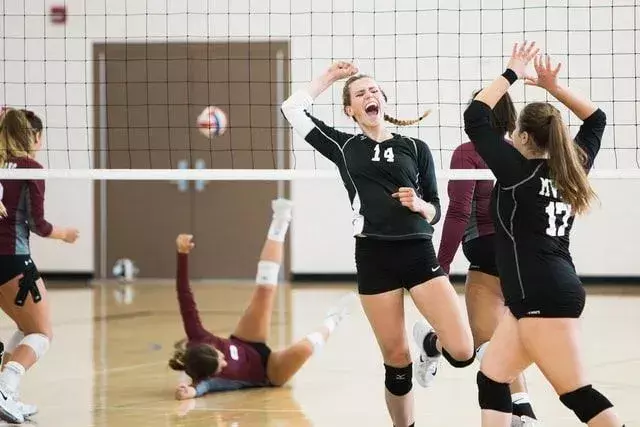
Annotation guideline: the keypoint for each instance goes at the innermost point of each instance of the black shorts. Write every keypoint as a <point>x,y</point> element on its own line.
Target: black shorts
<point>481,254</point>
<point>12,266</point>
<point>386,265</point>
<point>568,306</point>
<point>557,293</point>
<point>263,349</point>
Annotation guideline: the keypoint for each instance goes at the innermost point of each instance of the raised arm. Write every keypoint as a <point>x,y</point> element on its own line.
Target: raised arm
<point>188,309</point>
<point>506,163</point>
<point>327,140</point>
<point>594,120</point>
<point>459,210</point>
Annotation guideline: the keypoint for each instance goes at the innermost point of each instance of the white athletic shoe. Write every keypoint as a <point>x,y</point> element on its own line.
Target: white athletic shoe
<point>282,208</point>
<point>425,367</point>
<point>10,410</point>
<point>524,421</point>
<point>342,308</point>
<point>27,409</point>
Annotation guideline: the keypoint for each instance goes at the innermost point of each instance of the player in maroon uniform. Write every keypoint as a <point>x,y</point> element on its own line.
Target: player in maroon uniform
<point>468,221</point>
<point>244,360</point>
<point>23,296</point>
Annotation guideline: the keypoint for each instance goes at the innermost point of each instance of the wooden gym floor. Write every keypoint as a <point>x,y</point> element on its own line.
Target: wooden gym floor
<point>107,364</point>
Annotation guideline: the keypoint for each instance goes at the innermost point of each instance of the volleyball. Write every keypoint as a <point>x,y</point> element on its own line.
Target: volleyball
<point>125,270</point>
<point>212,122</point>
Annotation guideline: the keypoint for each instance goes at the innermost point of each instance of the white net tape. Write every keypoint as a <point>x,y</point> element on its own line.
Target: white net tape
<point>249,174</point>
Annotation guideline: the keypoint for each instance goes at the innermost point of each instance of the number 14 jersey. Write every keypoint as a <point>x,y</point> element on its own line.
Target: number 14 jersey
<point>371,172</point>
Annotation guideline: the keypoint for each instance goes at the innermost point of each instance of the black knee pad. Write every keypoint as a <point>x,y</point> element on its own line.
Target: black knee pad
<point>457,363</point>
<point>493,395</point>
<point>398,380</point>
<point>586,402</point>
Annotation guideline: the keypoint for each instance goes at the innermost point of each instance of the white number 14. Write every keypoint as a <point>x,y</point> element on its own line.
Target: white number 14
<point>553,210</point>
<point>388,154</point>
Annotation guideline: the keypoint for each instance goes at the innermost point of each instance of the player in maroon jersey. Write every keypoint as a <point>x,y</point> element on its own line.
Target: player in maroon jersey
<point>243,360</point>
<point>23,296</point>
<point>469,221</point>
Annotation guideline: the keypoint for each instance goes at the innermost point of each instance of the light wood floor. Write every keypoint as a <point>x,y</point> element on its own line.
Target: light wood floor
<point>107,364</point>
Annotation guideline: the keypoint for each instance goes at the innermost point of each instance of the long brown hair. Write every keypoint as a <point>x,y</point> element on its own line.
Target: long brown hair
<point>16,140</point>
<point>567,161</point>
<point>503,115</point>
<point>346,101</point>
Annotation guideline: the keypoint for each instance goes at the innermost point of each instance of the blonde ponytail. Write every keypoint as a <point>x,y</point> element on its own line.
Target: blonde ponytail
<point>15,140</point>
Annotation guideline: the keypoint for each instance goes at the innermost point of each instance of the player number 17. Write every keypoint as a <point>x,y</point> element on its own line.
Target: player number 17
<point>553,210</point>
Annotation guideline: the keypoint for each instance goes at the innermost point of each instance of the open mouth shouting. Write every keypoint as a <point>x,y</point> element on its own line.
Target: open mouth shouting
<point>372,109</point>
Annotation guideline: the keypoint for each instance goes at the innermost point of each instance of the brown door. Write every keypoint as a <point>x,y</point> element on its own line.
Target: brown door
<point>153,95</point>
<point>231,218</point>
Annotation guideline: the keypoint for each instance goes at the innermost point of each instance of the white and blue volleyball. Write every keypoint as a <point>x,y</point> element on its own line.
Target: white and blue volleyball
<point>212,122</point>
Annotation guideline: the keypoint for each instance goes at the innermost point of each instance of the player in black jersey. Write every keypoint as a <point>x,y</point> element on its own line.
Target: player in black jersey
<point>390,180</point>
<point>541,184</point>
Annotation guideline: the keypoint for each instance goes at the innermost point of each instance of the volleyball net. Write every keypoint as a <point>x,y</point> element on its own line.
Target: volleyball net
<point>121,85</point>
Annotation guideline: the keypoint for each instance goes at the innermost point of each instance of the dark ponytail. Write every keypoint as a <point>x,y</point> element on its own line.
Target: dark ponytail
<point>177,360</point>
<point>199,361</point>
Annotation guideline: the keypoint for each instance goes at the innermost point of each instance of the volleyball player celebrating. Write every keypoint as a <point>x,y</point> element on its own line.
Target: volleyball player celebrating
<point>541,185</point>
<point>23,296</point>
<point>390,180</point>
<point>468,220</point>
<point>244,360</point>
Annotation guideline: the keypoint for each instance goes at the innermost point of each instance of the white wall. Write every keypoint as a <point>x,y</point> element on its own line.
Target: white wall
<point>602,242</point>
<point>424,59</point>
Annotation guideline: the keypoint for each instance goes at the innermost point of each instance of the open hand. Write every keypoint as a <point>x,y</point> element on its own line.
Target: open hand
<point>547,77</point>
<point>521,56</point>
<point>185,391</point>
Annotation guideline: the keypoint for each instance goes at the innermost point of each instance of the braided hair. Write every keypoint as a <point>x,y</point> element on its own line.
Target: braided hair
<point>346,101</point>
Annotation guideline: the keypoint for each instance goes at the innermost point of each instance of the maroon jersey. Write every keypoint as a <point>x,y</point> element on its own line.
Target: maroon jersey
<point>24,201</point>
<point>468,216</point>
<point>244,363</point>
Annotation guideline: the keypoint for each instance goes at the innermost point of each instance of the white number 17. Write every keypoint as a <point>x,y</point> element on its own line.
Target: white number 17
<point>553,210</point>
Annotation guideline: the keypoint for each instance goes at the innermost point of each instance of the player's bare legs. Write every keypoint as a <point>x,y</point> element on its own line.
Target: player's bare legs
<point>284,364</point>
<point>34,327</point>
<point>449,333</point>
<point>485,308</point>
<point>385,312</point>
<point>554,345</point>
<point>255,323</point>
<point>504,359</point>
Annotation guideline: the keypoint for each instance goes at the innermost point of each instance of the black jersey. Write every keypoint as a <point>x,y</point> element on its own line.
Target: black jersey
<point>372,172</point>
<point>533,223</point>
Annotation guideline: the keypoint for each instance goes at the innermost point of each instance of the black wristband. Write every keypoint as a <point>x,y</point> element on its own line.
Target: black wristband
<point>510,75</point>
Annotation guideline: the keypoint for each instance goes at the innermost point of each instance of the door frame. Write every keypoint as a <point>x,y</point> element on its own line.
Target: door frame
<point>283,141</point>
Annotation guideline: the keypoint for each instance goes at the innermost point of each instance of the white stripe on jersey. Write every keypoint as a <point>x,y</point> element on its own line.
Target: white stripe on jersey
<point>294,109</point>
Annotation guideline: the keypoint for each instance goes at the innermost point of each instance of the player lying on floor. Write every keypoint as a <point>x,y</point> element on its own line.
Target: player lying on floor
<point>244,360</point>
